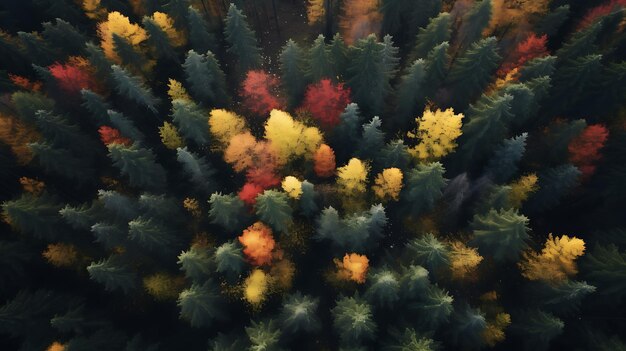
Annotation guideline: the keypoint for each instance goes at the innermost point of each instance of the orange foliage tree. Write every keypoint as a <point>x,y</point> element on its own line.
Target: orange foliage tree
<point>360,18</point>
<point>324,159</point>
<point>584,150</point>
<point>326,101</point>
<point>530,48</point>
<point>73,76</point>
<point>353,267</point>
<point>260,92</point>
<point>110,135</point>
<point>18,135</point>
<point>258,244</point>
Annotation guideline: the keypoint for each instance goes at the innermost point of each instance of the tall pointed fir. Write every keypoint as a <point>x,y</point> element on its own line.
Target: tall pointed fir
<point>554,183</point>
<point>273,208</point>
<point>345,136</point>
<point>158,39</point>
<point>474,23</point>
<point>114,274</point>
<point>410,96</point>
<point>35,215</point>
<point>227,211</point>
<point>132,88</point>
<point>503,164</point>
<point>369,80</point>
<point>438,30</point>
<point>191,121</point>
<point>125,125</point>
<point>436,68</point>
<point>319,61</point>
<point>373,140</point>
<point>130,58</point>
<point>423,187</point>
<point>292,71</point>
<point>241,40</point>
<point>501,234</point>
<point>139,165</point>
<point>201,305</point>
<point>339,57</point>
<point>200,38</point>
<point>205,78</point>
<point>197,169</point>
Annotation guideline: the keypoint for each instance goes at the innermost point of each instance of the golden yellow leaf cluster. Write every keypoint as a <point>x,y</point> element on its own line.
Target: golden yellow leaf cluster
<point>120,25</point>
<point>388,184</point>
<point>291,139</point>
<point>224,125</point>
<point>556,262</point>
<point>463,260</point>
<point>292,186</point>
<point>170,136</point>
<point>352,177</point>
<point>522,188</point>
<point>176,91</point>
<point>437,132</point>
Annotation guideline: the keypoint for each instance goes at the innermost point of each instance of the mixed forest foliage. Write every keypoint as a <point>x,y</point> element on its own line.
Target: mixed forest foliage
<point>312,175</point>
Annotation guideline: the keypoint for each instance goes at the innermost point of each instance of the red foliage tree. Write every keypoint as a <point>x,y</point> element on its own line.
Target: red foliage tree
<point>249,192</point>
<point>599,11</point>
<point>324,159</point>
<point>110,135</point>
<point>326,101</point>
<point>532,47</point>
<point>260,92</point>
<point>584,150</point>
<point>73,76</point>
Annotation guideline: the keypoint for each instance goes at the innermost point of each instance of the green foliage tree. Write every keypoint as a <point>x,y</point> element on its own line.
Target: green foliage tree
<point>35,215</point>
<point>191,121</point>
<point>411,93</point>
<point>357,232</point>
<point>436,67</point>
<point>273,208</point>
<point>64,36</point>
<point>435,307</point>
<point>308,203</point>
<point>423,187</point>
<point>229,260</point>
<point>345,136</point>
<point>552,22</point>
<point>538,328</point>
<point>429,252</point>
<point>438,31</point>
<point>339,56</point>
<point>109,235</point>
<point>132,88</point>
<point>201,39</point>
<point>319,63</point>
<point>158,39</point>
<point>205,78</point>
<point>298,314</point>
<point>196,263</point>
<point>28,103</point>
<point>264,335</point>
<point>537,67</point>
<point>61,162</point>
<point>97,106</point>
<point>369,80</point>
<point>139,165</point>
<point>153,235</point>
<point>197,168</point>
<point>500,233</point>
<point>353,320</point>
<point>372,140</point>
<point>241,40</point>
<point>114,274</point>
<point>604,267</point>
<point>383,287</point>
<point>201,305</point>
<point>125,125</point>
<point>130,57</point>
<point>468,327</point>
<point>554,183</point>
<point>292,70</point>
<point>474,23</point>
<point>228,211</point>
<point>503,165</point>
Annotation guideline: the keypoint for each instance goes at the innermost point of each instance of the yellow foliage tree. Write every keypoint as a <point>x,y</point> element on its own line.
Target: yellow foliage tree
<point>61,255</point>
<point>240,151</point>
<point>282,273</point>
<point>176,91</point>
<point>224,125</point>
<point>255,287</point>
<point>352,177</point>
<point>18,135</point>
<point>518,13</point>
<point>56,346</point>
<point>291,139</point>
<point>170,136</point>
<point>556,261</point>
<point>437,132</point>
<point>163,286</point>
<point>463,260</point>
<point>315,11</point>
<point>388,184</point>
<point>522,188</point>
<point>167,25</point>
<point>292,186</point>
<point>494,331</point>
<point>192,206</point>
<point>93,9</point>
<point>119,24</point>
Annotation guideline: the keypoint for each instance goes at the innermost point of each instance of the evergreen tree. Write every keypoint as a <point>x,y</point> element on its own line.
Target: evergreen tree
<point>227,211</point>
<point>199,171</point>
<point>373,140</point>
<point>36,49</point>
<point>125,125</point>
<point>582,43</point>
<point>200,305</point>
<point>436,67</point>
<point>353,320</point>
<point>298,314</point>
<point>604,267</point>
<point>201,39</point>
<point>114,274</point>
<point>503,165</point>
<point>130,57</point>
<point>411,340</point>
<point>133,89</point>
<point>468,327</point>
<point>369,80</point>
<point>139,165</point>
<point>414,282</point>
<point>28,310</point>
<point>390,57</point>
<point>59,132</point>
<point>273,208</point>
<point>474,23</point>
<point>159,40</point>
<point>554,183</point>
<point>35,215</point>
<point>205,78</point>
<point>27,104</point>
<point>177,10</point>
<point>96,105</point>
<point>320,61</point>
<point>109,235</point>
<point>435,307</point>
<point>308,204</point>
<point>537,67</point>
<point>411,94</point>
<point>61,162</point>
<point>423,186</point>
<point>394,154</point>
<point>292,71</point>
<point>538,329</point>
<point>552,22</point>
<point>121,208</point>
<point>429,252</point>
<point>383,288</point>
<point>339,57</point>
<point>421,12</point>
<point>575,79</point>
<point>64,36</point>
<point>264,336</point>
<point>196,263</point>
<point>241,40</point>
<point>345,135</point>
<point>438,31</point>
<point>524,104</point>
<point>100,63</point>
<point>229,260</point>
<point>152,235</point>
<point>191,121</point>
<point>565,297</point>
<point>501,234</point>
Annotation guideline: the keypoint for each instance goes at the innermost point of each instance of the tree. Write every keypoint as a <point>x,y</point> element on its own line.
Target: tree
<point>423,186</point>
<point>324,159</point>
<point>62,34</point>
<point>552,21</point>
<point>411,340</point>
<point>503,165</point>
<point>369,81</point>
<point>224,125</point>
<point>200,305</point>
<point>388,184</point>
<point>260,92</point>
<point>463,260</point>
<point>241,40</point>
<point>536,68</point>
<point>530,48</point>
<point>96,105</point>
<point>298,313</point>
<point>383,287</point>
<point>292,71</point>
<point>565,297</point>
<point>473,70</point>
<point>604,267</point>
<point>205,78</point>
<point>435,307</point>
<point>133,89</point>
<point>394,155</point>
<point>500,233</point>
<point>200,38</point>
<point>264,335</point>
<point>73,76</point>
<point>258,244</point>
<point>353,320</point>
<point>197,168</point>
<point>468,327</point>
<point>28,103</point>
<point>227,211</point>
<point>584,150</point>
<point>574,79</point>
<point>538,328</point>
<point>118,24</point>
<point>34,215</point>
<point>474,23</point>
<point>114,274</point>
<point>326,101</point>
<point>339,56</point>
<point>352,177</point>
<point>554,183</point>
<point>62,162</point>
<point>319,64</point>
<point>158,38</point>
<point>436,67</point>
<point>191,121</point>
<point>292,186</point>
<point>411,93</point>
<point>438,31</point>
<point>345,136</point>
<point>359,231</point>
<point>229,260</point>
<point>170,136</point>
<point>139,165</point>
<point>153,235</point>
<point>315,11</point>
<point>308,204</point>
<point>556,261</point>
<point>126,127</point>
<point>437,132</point>
<point>373,140</point>
<point>273,208</point>
<point>290,138</point>
<point>196,263</point>
<point>429,252</point>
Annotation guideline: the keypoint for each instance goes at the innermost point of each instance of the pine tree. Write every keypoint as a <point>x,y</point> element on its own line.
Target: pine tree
<point>411,93</point>
<point>114,274</point>
<point>201,39</point>
<point>501,234</point>
<point>200,305</point>
<point>28,310</point>
<point>421,12</point>
<point>473,70</point>
<point>205,78</point>
<point>575,79</point>
<point>373,140</point>
<point>339,57</point>
<point>36,49</point>
<point>383,288</point>
<point>198,170</point>
<point>152,235</point>
<point>436,67</point>
<point>229,260</point>
<point>552,22</point>
<point>264,335</point>
<point>65,36</point>
<point>139,165</point>
<point>125,125</point>
<point>414,282</point>
<point>369,80</point>
<point>59,132</point>
<point>345,135</point>
<point>554,183</point>
<point>438,31</point>
<point>196,263</point>
<point>604,267</point>
<point>128,56</point>
<point>394,154</point>
<point>474,23</point>
<point>390,57</point>
<point>435,307</point>
<point>423,187</point>
<point>100,63</point>
<point>35,215</point>
<point>536,68</point>
<point>96,105</point>
<point>353,320</point>
<point>292,71</point>
<point>159,40</point>
<point>119,207</point>
<point>538,329</point>
<point>62,162</point>
<point>177,10</point>
<point>27,104</point>
<point>191,121</point>
<point>133,89</point>
<point>566,297</point>
<point>429,252</point>
<point>298,314</point>
<point>241,40</point>
<point>320,61</point>
<point>109,235</point>
<point>503,165</point>
<point>308,204</point>
<point>227,211</point>
<point>581,43</point>
<point>410,340</point>
<point>468,327</point>
<point>273,208</point>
